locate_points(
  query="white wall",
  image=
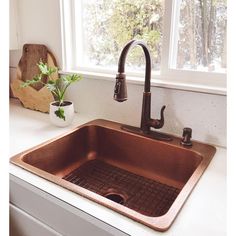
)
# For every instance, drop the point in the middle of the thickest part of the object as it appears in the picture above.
(13, 20)
(205, 113)
(39, 22)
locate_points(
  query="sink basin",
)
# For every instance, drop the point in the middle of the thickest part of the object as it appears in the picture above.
(145, 179)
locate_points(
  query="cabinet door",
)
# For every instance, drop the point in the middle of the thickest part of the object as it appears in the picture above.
(58, 215)
(23, 224)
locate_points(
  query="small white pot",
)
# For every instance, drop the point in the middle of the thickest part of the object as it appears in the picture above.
(68, 108)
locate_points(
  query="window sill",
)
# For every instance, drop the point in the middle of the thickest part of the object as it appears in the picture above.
(157, 82)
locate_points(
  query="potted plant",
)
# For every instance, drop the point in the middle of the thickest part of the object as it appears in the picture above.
(61, 112)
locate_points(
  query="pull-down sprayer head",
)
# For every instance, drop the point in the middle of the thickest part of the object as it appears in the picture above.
(120, 90)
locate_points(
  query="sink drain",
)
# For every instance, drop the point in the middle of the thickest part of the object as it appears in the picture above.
(115, 198)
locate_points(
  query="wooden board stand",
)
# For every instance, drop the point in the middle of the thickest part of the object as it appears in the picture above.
(36, 97)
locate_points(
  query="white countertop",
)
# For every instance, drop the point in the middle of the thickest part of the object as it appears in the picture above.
(203, 214)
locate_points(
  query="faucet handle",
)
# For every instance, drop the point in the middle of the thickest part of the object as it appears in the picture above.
(157, 124)
(162, 113)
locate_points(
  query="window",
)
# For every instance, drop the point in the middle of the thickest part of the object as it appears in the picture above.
(186, 38)
(108, 25)
(201, 43)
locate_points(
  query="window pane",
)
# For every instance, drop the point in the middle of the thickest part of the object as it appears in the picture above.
(108, 25)
(202, 35)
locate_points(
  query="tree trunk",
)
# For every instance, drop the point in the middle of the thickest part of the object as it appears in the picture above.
(203, 6)
(224, 51)
(211, 40)
(192, 35)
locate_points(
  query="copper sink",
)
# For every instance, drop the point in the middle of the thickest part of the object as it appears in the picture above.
(145, 179)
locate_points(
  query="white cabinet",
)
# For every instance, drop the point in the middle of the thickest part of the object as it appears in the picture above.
(23, 224)
(48, 213)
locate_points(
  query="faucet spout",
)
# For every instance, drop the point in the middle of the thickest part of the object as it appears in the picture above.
(122, 59)
(120, 91)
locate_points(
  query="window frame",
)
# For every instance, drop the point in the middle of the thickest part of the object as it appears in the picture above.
(206, 82)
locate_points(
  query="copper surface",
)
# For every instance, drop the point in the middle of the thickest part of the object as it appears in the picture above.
(162, 166)
(141, 194)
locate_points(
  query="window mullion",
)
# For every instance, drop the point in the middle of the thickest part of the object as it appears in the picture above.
(67, 33)
(79, 43)
(174, 33)
(166, 37)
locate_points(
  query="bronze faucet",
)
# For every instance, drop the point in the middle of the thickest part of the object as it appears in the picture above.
(120, 93)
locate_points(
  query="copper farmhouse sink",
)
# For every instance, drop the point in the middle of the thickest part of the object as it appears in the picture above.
(145, 179)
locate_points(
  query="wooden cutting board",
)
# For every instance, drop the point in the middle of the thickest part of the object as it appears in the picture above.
(35, 97)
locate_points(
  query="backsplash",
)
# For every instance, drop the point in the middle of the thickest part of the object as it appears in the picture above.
(204, 113)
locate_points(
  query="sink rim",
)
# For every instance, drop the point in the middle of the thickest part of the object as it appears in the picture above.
(160, 223)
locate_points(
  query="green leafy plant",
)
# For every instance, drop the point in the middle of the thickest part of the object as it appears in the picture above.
(57, 87)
